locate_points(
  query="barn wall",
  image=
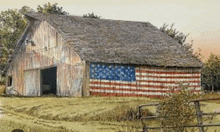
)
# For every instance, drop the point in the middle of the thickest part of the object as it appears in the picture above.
(116, 80)
(86, 79)
(32, 82)
(45, 54)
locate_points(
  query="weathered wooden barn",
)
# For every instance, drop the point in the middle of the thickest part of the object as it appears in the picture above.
(76, 56)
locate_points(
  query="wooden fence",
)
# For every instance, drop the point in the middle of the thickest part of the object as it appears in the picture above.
(199, 115)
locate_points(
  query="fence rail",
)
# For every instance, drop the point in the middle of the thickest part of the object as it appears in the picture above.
(198, 114)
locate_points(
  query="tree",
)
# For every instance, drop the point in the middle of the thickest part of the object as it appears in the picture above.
(12, 25)
(211, 71)
(25, 9)
(178, 36)
(181, 39)
(51, 9)
(91, 16)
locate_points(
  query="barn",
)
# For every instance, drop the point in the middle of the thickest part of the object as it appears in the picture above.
(75, 56)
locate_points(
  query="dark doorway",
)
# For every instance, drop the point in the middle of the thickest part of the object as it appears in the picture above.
(49, 81)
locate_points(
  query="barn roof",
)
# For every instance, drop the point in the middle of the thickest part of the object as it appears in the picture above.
(116, 41)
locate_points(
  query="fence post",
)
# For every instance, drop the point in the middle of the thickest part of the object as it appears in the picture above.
(145, 129)
(199, 116)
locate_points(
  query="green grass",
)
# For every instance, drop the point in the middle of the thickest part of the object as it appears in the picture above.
(75, 114)
(86, 114)
(2, 87)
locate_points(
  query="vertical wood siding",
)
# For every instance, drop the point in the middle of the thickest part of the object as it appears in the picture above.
(45, 54)
(32, 82)
(149, 81)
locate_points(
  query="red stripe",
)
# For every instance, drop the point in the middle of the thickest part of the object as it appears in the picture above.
(124, 95)
(148, 86)
(164, 72)
(134, 85)
(157, 86)
(111, 83)
(162, 68)
(137, 90)
(171, 77)
(168, 81)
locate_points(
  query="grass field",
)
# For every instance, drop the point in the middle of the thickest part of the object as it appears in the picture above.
(63, 114)
(87, 114)
(2, 87)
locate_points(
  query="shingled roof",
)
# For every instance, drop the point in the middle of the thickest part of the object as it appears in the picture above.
(116, 41)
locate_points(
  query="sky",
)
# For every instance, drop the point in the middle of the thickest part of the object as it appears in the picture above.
(198, 18)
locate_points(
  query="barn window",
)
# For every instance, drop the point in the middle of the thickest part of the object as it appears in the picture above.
(57, 39)
(9, 80)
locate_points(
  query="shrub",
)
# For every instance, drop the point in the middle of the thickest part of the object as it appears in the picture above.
(177, 110)
(2, 80)
(91, 16)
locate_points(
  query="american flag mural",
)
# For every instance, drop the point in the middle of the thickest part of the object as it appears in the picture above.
(126, 80)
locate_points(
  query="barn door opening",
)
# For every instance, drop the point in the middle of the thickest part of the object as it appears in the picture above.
(49, 81)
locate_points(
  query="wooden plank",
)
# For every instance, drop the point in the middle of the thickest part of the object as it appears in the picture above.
(32, 82)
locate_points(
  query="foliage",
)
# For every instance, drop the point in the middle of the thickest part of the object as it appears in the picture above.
(12, 25)
(91, 16)
(25, 9)
(181, 39)
(178, 36)
(49, 8)
(177, 110)
(2, 80)
(211, 71)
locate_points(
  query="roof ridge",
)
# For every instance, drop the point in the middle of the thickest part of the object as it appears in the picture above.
(71, 15)
(125, 42)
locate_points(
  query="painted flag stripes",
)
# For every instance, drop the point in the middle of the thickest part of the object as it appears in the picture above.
(120, 80)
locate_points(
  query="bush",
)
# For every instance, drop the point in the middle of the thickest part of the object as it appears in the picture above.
(2, 80)
(177, 110)
(91, 16)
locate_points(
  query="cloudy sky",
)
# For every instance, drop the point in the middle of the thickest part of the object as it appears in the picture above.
(200, 18)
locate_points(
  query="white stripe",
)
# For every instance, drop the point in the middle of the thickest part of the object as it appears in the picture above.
(110, 81)
(127, 87)
(136, 88)
(195, 88)
(167, 79)
(166, 84)
(134, 82)
(128, 92)
(164, 75)
(144, 83)
(167, 70)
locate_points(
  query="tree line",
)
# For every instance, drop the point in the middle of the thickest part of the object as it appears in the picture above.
(210, 72)
(13, 23)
